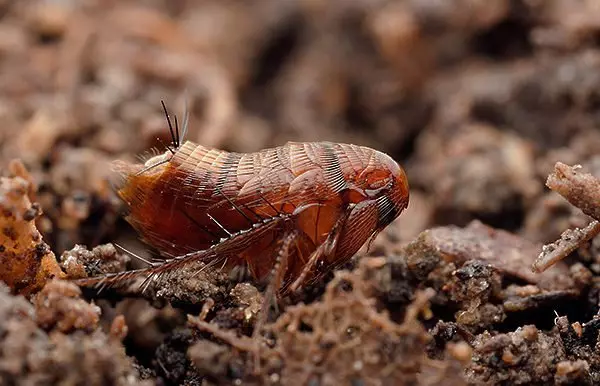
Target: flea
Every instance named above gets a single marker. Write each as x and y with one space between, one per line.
287 214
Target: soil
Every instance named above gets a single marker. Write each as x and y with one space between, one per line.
492 107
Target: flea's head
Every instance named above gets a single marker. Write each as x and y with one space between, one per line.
377 192
385 182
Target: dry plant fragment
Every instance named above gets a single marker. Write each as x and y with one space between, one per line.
583 191
568 242
340 339
580 189
343 338
26 261
118 328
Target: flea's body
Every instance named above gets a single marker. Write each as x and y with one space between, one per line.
301 207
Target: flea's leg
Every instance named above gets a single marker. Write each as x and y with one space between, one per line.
356 226
275 282
312 261
326 249
276 277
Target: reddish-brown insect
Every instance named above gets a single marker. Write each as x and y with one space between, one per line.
301 207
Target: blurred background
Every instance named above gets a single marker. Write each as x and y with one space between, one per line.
476 98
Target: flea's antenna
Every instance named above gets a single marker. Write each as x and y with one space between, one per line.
140 258
172 130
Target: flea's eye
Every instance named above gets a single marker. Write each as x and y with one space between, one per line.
377 187
374 181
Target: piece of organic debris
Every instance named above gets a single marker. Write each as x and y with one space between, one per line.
575 372
26 261
583 191
580 189
339 339
570 240
118 328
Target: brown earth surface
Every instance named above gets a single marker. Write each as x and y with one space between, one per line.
477 99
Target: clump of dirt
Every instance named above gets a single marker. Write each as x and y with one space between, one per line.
79 262
481 275
26 261
526 356
59 307
58 342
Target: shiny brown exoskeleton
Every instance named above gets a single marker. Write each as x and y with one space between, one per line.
298 207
